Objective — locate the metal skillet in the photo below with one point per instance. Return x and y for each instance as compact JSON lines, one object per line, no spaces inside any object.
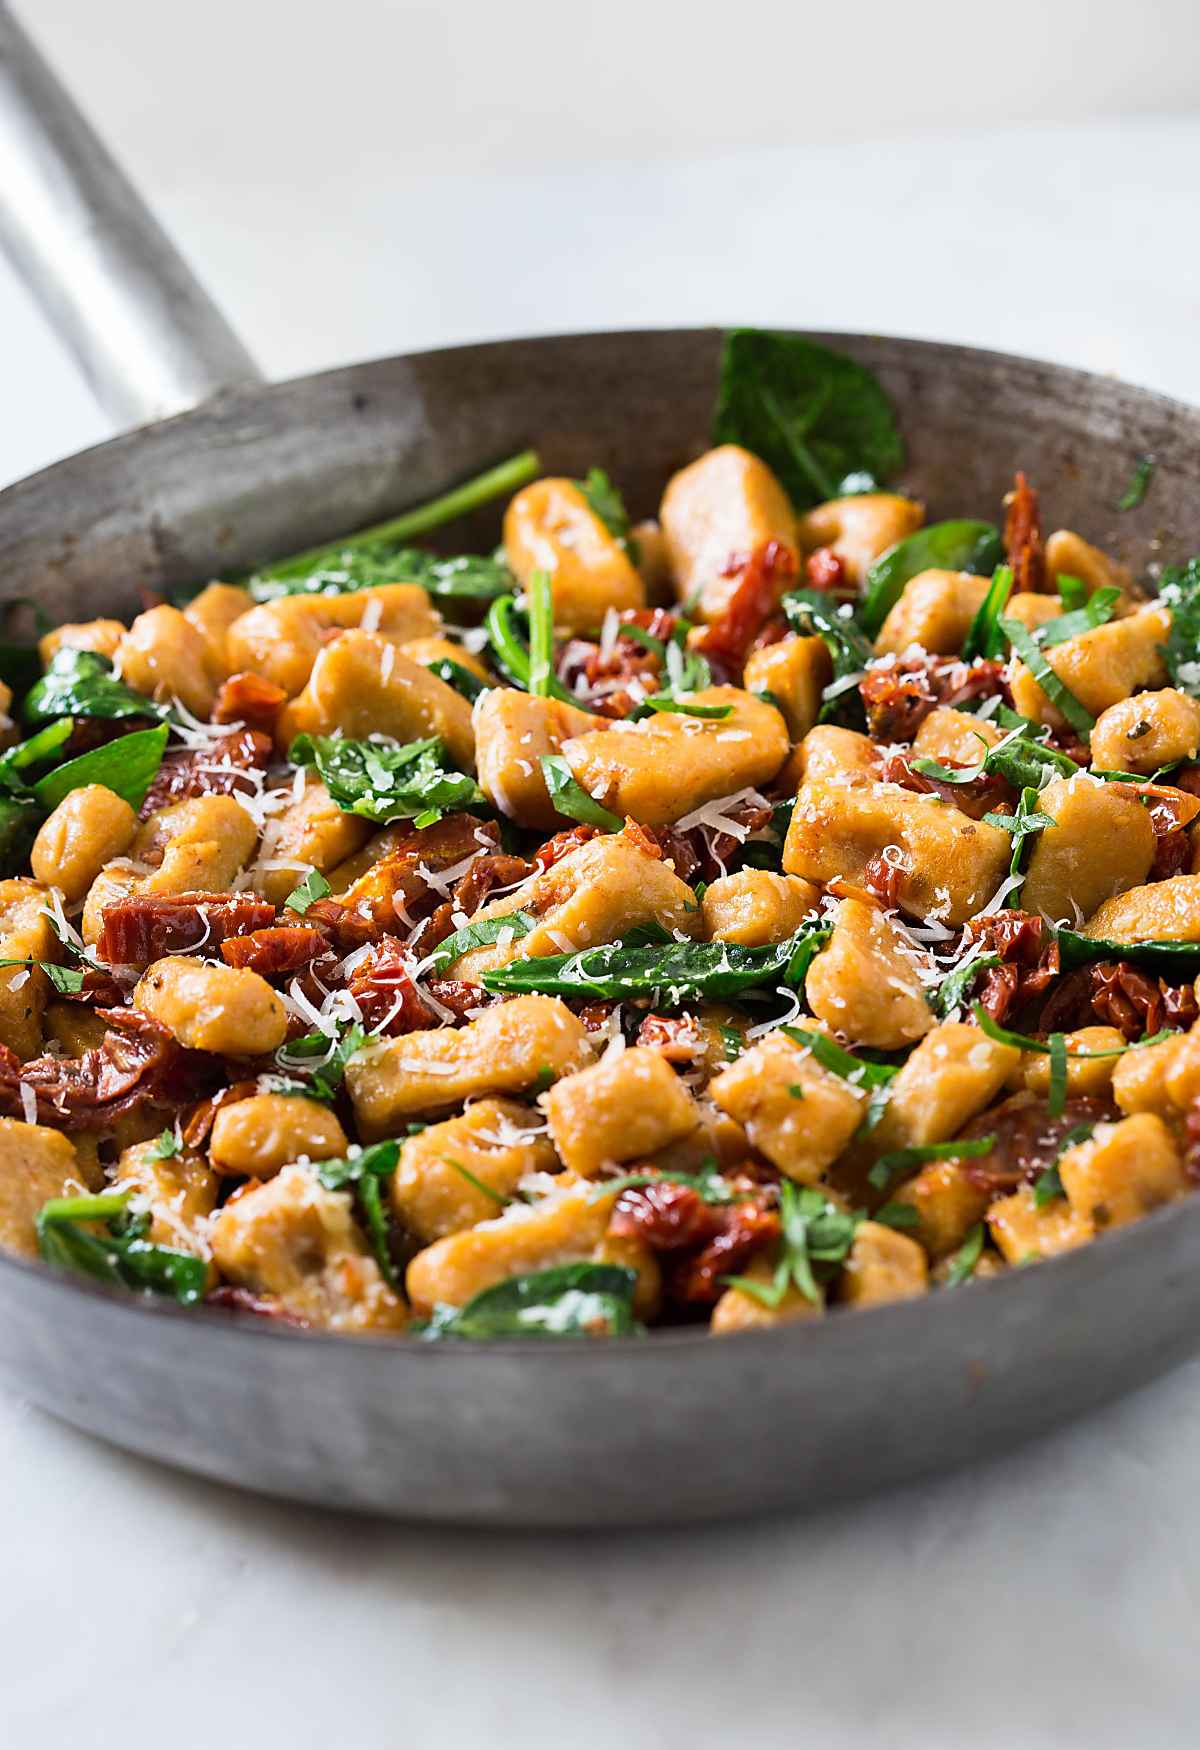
{"x":674,"y":1428}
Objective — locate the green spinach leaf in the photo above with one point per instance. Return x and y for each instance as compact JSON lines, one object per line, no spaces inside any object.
{"x":671,"y":973}
{"x":950,"y":546}
{"x":383,"y":780}
{"x":126,"y":766}
{"x":80,"y":683}
{"x":570,"y":1300}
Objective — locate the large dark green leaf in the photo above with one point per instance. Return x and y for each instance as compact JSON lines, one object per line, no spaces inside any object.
{"x":572,"y":1300}
{"x":384,"y":781}
{"x":126,"y":766}
{"x":952,"y":546}
{"x":80,"y":683}
{"x":671,"y":973}
{"x":813,"y":415}
{"x":1176,"y":960}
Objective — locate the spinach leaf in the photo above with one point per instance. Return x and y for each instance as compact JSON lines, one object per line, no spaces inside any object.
{"x":126,"y":766}
{"x":80,"y":683}
{"x":1180,"y":591}
{"x":815,"y":614}
{"x":117,"y":1254}
{"x":1136,"y":490}
{"x":813,"y":415}
{"x":571,"y":1300}
{"x":570,"y":798}
{"x":951,"y":546}
{"x":67,"y":980}
{"x":1171,"y":959}
{"x":672,"y":972}
{"x":1096,"y":611}
{"x":364,"y":1170}
{"x":20,"y":818}
{"x":384,"y":780}
{"x":1025,"y":823}
{"x":658,"y":703}
{"x":380,"y":554}
{"x":815,"y":1233}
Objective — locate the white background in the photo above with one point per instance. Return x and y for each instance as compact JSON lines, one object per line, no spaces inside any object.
{"x":366,"y":177}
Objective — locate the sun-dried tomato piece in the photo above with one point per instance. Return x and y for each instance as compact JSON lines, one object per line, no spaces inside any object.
{"x":137,"y":1063}
{"x":1028,"y":1139}
{"x":596,"y":1016}
{"x":382,"y":987}
{"x":275,"y":950}
{"x":678,"y":1038}
{"x":666,"y":1216}
{"x":1030,"y":956}
{"x":1125,"y":997}
{"x":975,"y":798}
{"x":401,"y":887}
{"x":763,"y":577}
{"x":746,"y":1229}
{"x":137,"y":931}
{"x":1023,"y":537}
{"x":884,"y":876}
{"x":250,"y":699}
{"x":647,"y":842}
{"x":485,"y":875}
{"x":198,"y":1122}
{"x":230,"y":1298}
{"x":462,"y":998}
{"x":826,"y":570}
{"x":1191,"y":1143}
{"x":220,"y":770}
{"x":898,"y":697}
{"x":562,"y":844}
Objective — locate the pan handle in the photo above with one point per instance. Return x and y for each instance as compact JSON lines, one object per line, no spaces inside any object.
{"x":145,"y":333}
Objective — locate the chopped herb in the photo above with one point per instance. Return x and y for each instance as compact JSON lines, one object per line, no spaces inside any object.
{"x":330,"y":1057}
{"x":732,"y":1042}
{"x":67,"y":980}
{"x":1136,"y":490}
{"x":1047,"y":1048}
{"x":540,"y":609}
{"x":796,"y":1090}
{"x":902,"y":1216}
{"x":1025,"y":823}
{"x":461,"y":679}
{"x":545,"y":1078}
{"x":814,"y":614}
{"x":1056,"y":690}
{"x":985,"y":637}
{"x":1048,"y":1184}
{"x":571,"y":1300}
{"x":953,"y":988}
{"x":387,"y":780}
{"x":1057,"y":1094}
{"x":1096,"y":611}
{"x":512,"y":653}
{"x":498,"y":1197}
{"x":875,"y":1078}
{"x":165,"y":1147}
{"x":659,"y":702}
{"x":813,"y":415}
{"x":606,"y":503}
{"x":815,"y":1233}
{"x":962,"y":1266}
{"x":950,"y":546}
{"x":313,"y":887}
{"x":902,"y":1160}
{"x":379,"y":1159}
{"x":707,"y":1183}
{"x":570,"y":798}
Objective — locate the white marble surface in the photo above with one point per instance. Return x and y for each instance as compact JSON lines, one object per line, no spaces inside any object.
{"x":1050,"y":1599}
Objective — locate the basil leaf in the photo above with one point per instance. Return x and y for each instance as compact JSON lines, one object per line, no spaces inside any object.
{"x":67,"y":980}
{"x":321,"y":1059}
{"x":902,"y":1216}
{"x":570,"y":798}
{"x":1056,"y":1097}
{"x":814,"y":1232}
{"x":384,"y":781}
{"x":80,"y":683}
{"x":953,"y":988}
{"x":707,"y":1183}
{"x":1047,"y":1047}
{"x":379,"y":555}
{"x":966,"y":1258}
{"x":35,"y":751}
{"x":127,"y":767}
{"x":313,"y":887}
{"x":673,"y":973}
{"x":165,"y":1146}
{"x":1056,"y":690}
{"x":903,"y":1160}
{"x":658,"y":702}
{"x":571,"y":1300}
{"x":1096,"y":611}
{"x":813,"y":415}
{"x":950,"y":546}
{"x":1047,"y":1186}
{"x":378,"y":1159}
{"x":480,"y":935}
{"x":1136,"y":490}
{"x":815,"y":614}
{"x":606,"y":503}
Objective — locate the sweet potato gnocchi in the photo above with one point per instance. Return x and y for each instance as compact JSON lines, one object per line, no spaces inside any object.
{"x":784,"y":905}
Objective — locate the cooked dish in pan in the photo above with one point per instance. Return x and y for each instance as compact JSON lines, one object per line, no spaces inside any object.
{"x":784,"y":903}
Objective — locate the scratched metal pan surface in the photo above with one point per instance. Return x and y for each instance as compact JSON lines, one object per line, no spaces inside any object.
{"x":676,"y":1427}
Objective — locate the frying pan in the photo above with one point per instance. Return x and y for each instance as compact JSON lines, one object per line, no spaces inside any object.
{"x":678,"y":1426}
